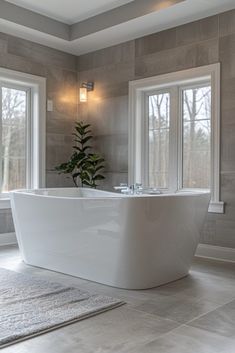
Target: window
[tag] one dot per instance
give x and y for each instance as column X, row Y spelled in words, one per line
column 158, row 139
column 22, row 124
column 196, row 136
column 174, row 132
column 13, row 138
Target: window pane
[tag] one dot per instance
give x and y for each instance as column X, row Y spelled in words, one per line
column 13, row 139
column 159, row 125
column 196, row 137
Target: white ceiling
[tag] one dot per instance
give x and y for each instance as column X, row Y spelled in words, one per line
column 183, row 12
column 69, row 11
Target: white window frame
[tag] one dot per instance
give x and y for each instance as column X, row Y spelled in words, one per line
column 36, row 92
column 137, row 123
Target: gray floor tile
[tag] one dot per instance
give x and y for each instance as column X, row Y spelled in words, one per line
column 188, row 340
column 221, row 321
column 151, row 321
column 177, row 308
column 217, row 289
column 110, row 332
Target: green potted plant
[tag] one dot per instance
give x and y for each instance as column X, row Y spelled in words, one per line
column 83, row 165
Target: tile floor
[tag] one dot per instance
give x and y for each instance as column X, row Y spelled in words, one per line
column 193, row 315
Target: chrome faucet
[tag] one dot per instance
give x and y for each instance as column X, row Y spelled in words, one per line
column 129, row 190
column 139, row 188
column 121, row 187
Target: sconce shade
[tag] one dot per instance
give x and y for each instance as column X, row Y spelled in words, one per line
column 85, row 87
column 83, row 94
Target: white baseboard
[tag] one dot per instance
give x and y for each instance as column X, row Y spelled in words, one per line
column 216, row 252
column 7, row 239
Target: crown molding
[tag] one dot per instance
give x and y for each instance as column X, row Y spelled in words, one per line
column 35, row 21
column 119, row 15
column 127, row 22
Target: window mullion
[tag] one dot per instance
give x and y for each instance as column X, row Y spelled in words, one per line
column 28, row 140
column 180, row 139
column 145, row 149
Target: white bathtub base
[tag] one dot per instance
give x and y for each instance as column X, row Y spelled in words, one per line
column 72, row 268
column 134, row 242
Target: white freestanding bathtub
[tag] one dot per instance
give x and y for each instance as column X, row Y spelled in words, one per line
column 132, row 242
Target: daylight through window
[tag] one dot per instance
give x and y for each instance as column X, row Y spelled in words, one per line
column 192, row 115
column 13, row 138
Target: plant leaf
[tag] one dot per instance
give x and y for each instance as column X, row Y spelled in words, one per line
column 98, row 177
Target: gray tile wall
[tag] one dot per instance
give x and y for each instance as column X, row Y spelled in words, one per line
column 199, row 43
column 195, row 44
column 60, row 69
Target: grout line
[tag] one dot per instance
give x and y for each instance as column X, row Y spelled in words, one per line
column 155, row 316
column 180, row 324
column 171, row 331
column 210, row 311
column 160, row 318
column 191, row 44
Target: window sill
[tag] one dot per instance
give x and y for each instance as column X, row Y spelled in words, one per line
column 216, row 207
column 5, row 203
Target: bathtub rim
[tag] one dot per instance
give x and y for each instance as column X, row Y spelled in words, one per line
column 106, row 195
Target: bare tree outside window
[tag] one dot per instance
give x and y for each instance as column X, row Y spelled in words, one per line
column 159, row 126
column 196, row 137
column 195, row 118
column 13, row 139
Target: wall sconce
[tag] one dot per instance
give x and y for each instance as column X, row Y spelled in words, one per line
column 85, row 87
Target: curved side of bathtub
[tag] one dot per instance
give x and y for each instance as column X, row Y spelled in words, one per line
column 132, row 243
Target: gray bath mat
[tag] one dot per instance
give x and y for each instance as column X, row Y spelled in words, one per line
column 29, row 306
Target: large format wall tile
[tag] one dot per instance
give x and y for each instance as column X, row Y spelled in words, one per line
column 18, row 63
column 108, row 56
column 55, row 180
column 225, row 233
column 114, row 149
column 228, row 190
column 194, row 44
column 202, row 42
column 228, row 116
column 227, row 93
column 59, row 150
column 60, row 70
column 113, row 179
column 207, row 52
column 225, row 223
column 228, row 148
column 227, row 56
column 62, row 79
column 209, row 229
column 6, row 222
column 40, row 53
column 155, row 42
column 166, row 61
column 107, row 116
column 59, row 123
column 197, row 31
column 227, row 23
column 180, row 58
column 114, row 75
